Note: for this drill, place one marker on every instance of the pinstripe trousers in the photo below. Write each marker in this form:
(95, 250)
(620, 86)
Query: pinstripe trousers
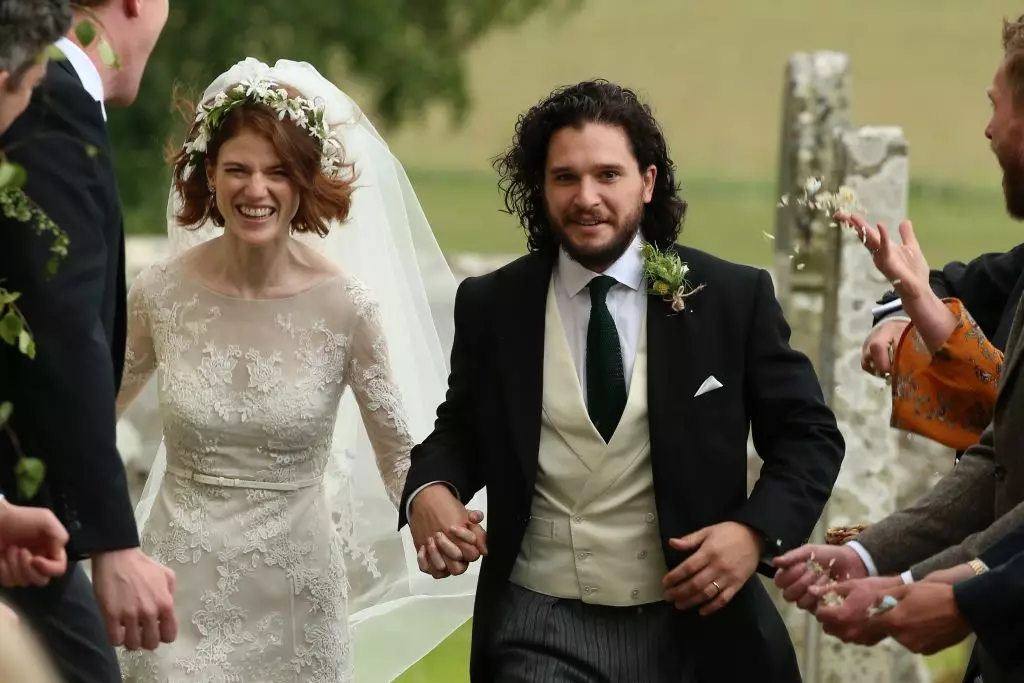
(538, 638)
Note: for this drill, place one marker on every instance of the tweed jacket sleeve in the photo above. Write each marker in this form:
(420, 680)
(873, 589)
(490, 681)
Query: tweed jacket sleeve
(940, 530)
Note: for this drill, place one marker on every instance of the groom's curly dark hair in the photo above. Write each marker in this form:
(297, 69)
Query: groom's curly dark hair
(521, 167)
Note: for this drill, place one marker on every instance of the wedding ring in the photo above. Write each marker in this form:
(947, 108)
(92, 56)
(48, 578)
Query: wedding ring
(717, 587)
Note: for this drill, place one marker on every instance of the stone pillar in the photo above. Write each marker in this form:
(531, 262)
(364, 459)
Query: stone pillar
(876, 476)
(815, 107)
(827, 285)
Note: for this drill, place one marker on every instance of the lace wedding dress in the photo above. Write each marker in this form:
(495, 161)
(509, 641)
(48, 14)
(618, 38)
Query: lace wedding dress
(249, 391)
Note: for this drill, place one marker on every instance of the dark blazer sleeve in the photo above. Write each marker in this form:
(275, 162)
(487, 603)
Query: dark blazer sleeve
(448, 455)
(984, 285)
(794, 431)
(64, 399)
(993, 605)
(1005, 549)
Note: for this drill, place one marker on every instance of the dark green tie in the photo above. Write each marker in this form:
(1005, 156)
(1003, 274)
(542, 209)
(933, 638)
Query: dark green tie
(606, 381)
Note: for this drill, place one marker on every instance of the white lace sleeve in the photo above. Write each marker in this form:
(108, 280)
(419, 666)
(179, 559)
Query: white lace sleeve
(139, 357)
(379, 398)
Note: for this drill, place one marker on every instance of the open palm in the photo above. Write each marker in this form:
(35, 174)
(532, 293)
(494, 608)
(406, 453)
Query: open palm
(903, 264)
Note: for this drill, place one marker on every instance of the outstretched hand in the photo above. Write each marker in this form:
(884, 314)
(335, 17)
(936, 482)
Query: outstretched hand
(850, 620)
(904, 265)
(811, 565)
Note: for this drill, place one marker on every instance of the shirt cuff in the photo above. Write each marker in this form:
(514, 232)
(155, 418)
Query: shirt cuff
(908, 577)
(408, 503)
(864, 556)
(887, 307)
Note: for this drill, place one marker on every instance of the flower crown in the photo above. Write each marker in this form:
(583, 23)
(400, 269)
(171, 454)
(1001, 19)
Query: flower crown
(305, 113)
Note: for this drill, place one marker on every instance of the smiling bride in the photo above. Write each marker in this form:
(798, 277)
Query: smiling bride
(301, 272)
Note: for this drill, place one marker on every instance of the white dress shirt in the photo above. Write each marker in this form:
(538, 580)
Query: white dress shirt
(626, 301)
(86, 70)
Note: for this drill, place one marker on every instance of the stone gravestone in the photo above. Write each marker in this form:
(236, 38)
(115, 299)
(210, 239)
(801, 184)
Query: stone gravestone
(827, 285)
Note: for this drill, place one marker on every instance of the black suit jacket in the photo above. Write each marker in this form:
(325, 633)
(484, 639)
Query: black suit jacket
(64, 399)
(993, 603)
(488, 430)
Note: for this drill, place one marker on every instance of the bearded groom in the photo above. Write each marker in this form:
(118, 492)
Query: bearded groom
(609, 426)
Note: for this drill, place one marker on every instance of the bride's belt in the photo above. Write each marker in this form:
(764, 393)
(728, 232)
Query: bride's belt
(243, 483)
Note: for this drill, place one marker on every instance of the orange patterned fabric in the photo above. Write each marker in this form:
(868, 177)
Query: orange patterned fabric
(947, 397)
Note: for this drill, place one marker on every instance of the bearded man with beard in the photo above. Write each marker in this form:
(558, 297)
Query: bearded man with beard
(952, 533)
(609, 425)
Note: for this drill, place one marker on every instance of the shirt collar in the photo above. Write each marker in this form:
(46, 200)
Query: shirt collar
(628, 270)
(86, 70)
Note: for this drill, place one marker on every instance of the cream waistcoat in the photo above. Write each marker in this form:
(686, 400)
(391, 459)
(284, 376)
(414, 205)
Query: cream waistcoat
(593, 533)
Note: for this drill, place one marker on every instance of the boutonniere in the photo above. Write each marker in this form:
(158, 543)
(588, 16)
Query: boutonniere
(666, 276)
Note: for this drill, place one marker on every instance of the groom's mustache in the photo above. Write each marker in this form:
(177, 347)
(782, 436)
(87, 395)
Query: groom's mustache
(587, 218)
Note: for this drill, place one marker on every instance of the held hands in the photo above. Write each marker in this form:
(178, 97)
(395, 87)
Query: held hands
(903, 264)
(448, 537)
(32, 544)
(725, 556)
(136, 597)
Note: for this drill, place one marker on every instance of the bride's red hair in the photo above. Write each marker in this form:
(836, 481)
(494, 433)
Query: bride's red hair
(322, 198)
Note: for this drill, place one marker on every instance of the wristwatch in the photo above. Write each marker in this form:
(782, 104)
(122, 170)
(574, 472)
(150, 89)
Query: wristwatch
(978, 566)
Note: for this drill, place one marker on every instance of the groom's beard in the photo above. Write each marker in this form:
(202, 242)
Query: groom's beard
(598, 257)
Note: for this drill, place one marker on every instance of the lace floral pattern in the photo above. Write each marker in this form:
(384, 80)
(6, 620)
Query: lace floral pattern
(249, 391)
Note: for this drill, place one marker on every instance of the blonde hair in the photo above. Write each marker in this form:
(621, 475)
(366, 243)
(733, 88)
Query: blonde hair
(22, 659)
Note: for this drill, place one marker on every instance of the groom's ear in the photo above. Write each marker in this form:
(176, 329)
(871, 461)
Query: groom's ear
(132, 8)
(649, 176)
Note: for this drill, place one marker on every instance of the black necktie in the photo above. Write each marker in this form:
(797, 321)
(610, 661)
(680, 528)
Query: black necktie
(606, 381)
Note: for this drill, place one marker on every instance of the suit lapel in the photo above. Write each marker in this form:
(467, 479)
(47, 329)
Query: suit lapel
(672, 374)
(522, 308)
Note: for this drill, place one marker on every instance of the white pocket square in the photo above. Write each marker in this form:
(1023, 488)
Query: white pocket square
(710, 384)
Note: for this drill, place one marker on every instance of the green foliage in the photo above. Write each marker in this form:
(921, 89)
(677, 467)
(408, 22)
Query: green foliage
(410, 53)
(30, 473)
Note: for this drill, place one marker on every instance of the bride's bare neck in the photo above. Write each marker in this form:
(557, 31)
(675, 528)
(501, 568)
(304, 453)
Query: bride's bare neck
(281, 268)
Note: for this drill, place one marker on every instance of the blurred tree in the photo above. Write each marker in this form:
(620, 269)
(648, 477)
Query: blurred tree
(410, 54)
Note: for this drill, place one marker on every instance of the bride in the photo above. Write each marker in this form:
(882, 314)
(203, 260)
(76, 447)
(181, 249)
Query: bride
(303, 266)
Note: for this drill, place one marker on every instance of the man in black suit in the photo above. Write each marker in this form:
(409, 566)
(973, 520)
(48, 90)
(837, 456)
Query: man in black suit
(64, 397)
(34, 537)
(609, 426)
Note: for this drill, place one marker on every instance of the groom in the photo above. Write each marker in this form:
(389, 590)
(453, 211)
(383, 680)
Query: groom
(610, 429)
(64, 397)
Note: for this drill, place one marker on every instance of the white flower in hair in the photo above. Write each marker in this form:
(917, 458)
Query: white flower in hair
(305, 113)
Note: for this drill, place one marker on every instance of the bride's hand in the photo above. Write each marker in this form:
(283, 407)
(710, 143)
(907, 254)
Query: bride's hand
(903, 264)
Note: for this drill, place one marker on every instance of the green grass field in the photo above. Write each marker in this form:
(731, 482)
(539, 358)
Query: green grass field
(713, 74)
